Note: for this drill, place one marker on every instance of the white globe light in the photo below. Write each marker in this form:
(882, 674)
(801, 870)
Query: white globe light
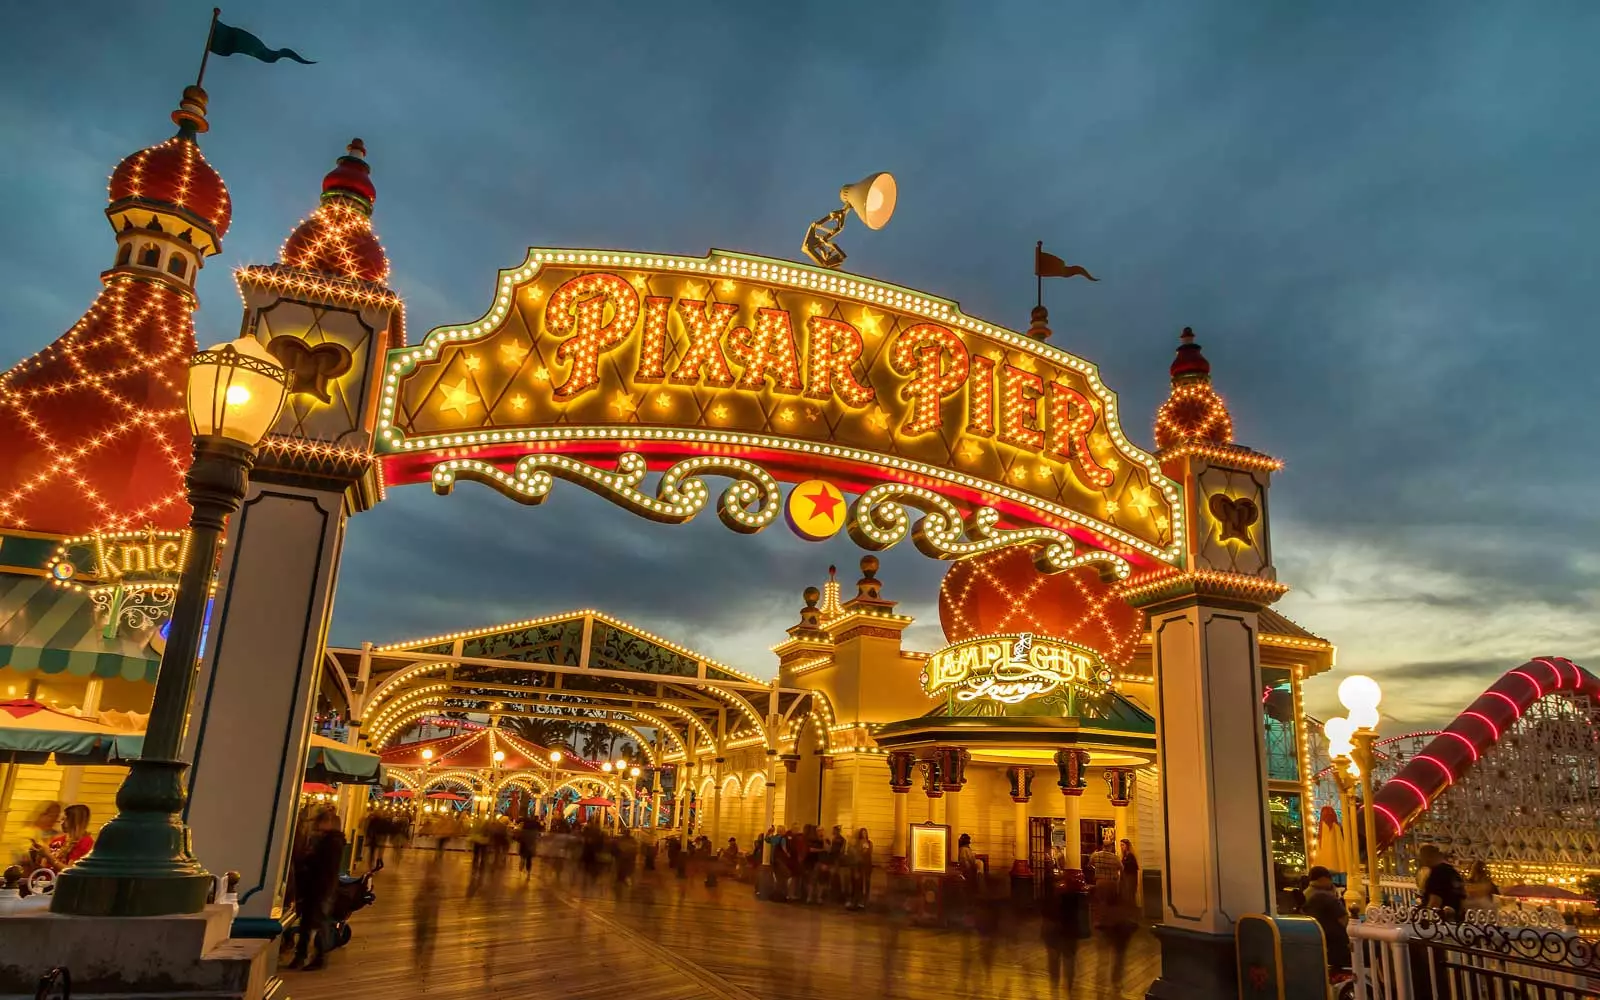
(427, 753)
(1364, 718)
(1360, 691)
(1338, 729)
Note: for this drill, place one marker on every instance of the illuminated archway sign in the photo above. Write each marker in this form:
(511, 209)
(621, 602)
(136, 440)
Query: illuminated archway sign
(599, 367)
(1012, 668)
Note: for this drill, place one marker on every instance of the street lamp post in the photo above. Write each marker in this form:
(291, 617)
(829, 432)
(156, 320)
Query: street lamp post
(1345, 773)
(143, 864)
(1360, 695)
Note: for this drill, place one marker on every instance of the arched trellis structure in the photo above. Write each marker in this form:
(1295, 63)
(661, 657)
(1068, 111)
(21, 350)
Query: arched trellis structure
(583, 667)
(1474, 733)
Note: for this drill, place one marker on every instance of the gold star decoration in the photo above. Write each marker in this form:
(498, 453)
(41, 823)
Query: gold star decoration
(764, 297)
(473, 362)
(694, 291)
(623, 402)
(640, 284)
(1111, 464)
(1042, 472)
(542, 373)
(727, 287)
(816, 309)
(870, 321)
(879, 418)
(1162, 523)
(1141, 500)
(719, 411)
(663, 400)
(1019, 473)
(512, 352)
(519, 402)
(535, 292)
(458, 397)
(1112, 507)
(971, 450)
(786, 414)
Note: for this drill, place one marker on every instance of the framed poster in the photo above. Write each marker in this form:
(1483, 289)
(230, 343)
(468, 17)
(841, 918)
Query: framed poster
(930, 848)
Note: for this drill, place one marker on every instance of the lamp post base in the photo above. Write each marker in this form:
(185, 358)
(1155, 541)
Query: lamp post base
(142, 865)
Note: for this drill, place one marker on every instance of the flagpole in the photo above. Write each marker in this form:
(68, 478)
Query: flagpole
(1039, 277)
(211, 32)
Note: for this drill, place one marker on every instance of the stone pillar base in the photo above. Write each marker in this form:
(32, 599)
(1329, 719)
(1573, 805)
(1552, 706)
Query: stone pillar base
(177, 957)
(1195, 966)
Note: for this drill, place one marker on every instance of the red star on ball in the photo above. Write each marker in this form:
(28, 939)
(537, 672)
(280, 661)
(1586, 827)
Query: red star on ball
(822, 503)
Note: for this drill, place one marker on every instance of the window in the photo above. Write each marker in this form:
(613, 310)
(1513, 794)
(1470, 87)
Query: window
(125, 254)
(1288, 830)
(1277, 717)
(176, 266)
(150, 255)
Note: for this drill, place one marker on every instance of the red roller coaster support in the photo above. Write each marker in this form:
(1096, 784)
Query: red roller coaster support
(1452, 753)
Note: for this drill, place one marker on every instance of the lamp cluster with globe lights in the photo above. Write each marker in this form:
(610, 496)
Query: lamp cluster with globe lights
(1350, 747)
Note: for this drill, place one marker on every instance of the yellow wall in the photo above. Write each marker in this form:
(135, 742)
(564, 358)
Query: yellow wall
(37, 783)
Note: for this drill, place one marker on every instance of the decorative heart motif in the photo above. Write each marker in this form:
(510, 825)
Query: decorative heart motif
(1235, 516)
(310, 368)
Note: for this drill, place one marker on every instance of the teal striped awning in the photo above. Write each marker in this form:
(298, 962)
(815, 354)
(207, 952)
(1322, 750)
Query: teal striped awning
(54, 630)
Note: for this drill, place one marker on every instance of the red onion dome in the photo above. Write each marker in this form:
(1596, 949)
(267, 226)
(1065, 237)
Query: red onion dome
(1003, 592)
(337, 238)
(174, 177)
(1193, 412)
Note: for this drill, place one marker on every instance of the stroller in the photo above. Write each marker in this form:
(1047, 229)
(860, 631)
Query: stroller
(354, 893)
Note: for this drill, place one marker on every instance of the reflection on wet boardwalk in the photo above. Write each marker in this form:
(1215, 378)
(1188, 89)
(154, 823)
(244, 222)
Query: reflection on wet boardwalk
(508, 935)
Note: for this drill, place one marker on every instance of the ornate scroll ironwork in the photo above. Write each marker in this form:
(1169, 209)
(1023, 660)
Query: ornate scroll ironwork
(878, 520)
(138, 608)
(751, 502)
(1541, 939)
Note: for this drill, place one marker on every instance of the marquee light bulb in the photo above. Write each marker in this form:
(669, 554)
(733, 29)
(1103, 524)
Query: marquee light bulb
(427, 753)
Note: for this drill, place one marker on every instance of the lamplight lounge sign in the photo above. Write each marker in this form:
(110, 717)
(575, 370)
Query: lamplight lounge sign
(1010, 668)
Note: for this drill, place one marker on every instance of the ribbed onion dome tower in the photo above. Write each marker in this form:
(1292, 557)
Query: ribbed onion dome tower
(337, 238)
(94, 435)
(1193, 412)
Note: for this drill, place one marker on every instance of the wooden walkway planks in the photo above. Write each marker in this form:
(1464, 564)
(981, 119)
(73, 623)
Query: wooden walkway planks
(507, 935)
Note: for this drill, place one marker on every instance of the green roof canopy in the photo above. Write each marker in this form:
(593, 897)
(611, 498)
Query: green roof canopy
(53, 630)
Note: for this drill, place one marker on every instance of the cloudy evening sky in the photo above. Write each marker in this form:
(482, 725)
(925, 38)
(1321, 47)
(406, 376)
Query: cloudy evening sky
(1380, 218)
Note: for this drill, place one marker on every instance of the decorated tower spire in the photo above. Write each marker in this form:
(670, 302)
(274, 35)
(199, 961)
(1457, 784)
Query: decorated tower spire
(1193, 412)
(337, 238)
(94, 435)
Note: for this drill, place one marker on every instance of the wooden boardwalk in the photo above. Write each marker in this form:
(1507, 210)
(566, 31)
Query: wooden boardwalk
(511, 936)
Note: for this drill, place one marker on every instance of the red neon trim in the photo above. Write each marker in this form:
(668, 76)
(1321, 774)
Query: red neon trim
(1463, 739)
(1449, 777)
(1393, 819)
(1508, 700)
(1420, 793)
(1485, 719)
(1529, 678)
(1559, 679)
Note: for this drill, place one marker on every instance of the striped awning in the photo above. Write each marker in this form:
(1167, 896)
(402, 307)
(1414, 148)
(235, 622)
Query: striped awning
(53, 630)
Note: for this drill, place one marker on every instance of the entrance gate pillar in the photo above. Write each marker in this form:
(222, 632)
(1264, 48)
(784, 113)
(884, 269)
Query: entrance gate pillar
(262, 661)
(1216, 844)
(1072, 776)
(1119, 790)
(902, 765)
(1021, 779)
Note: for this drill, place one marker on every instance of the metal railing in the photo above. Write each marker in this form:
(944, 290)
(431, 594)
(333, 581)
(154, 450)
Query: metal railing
(1517, 955)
